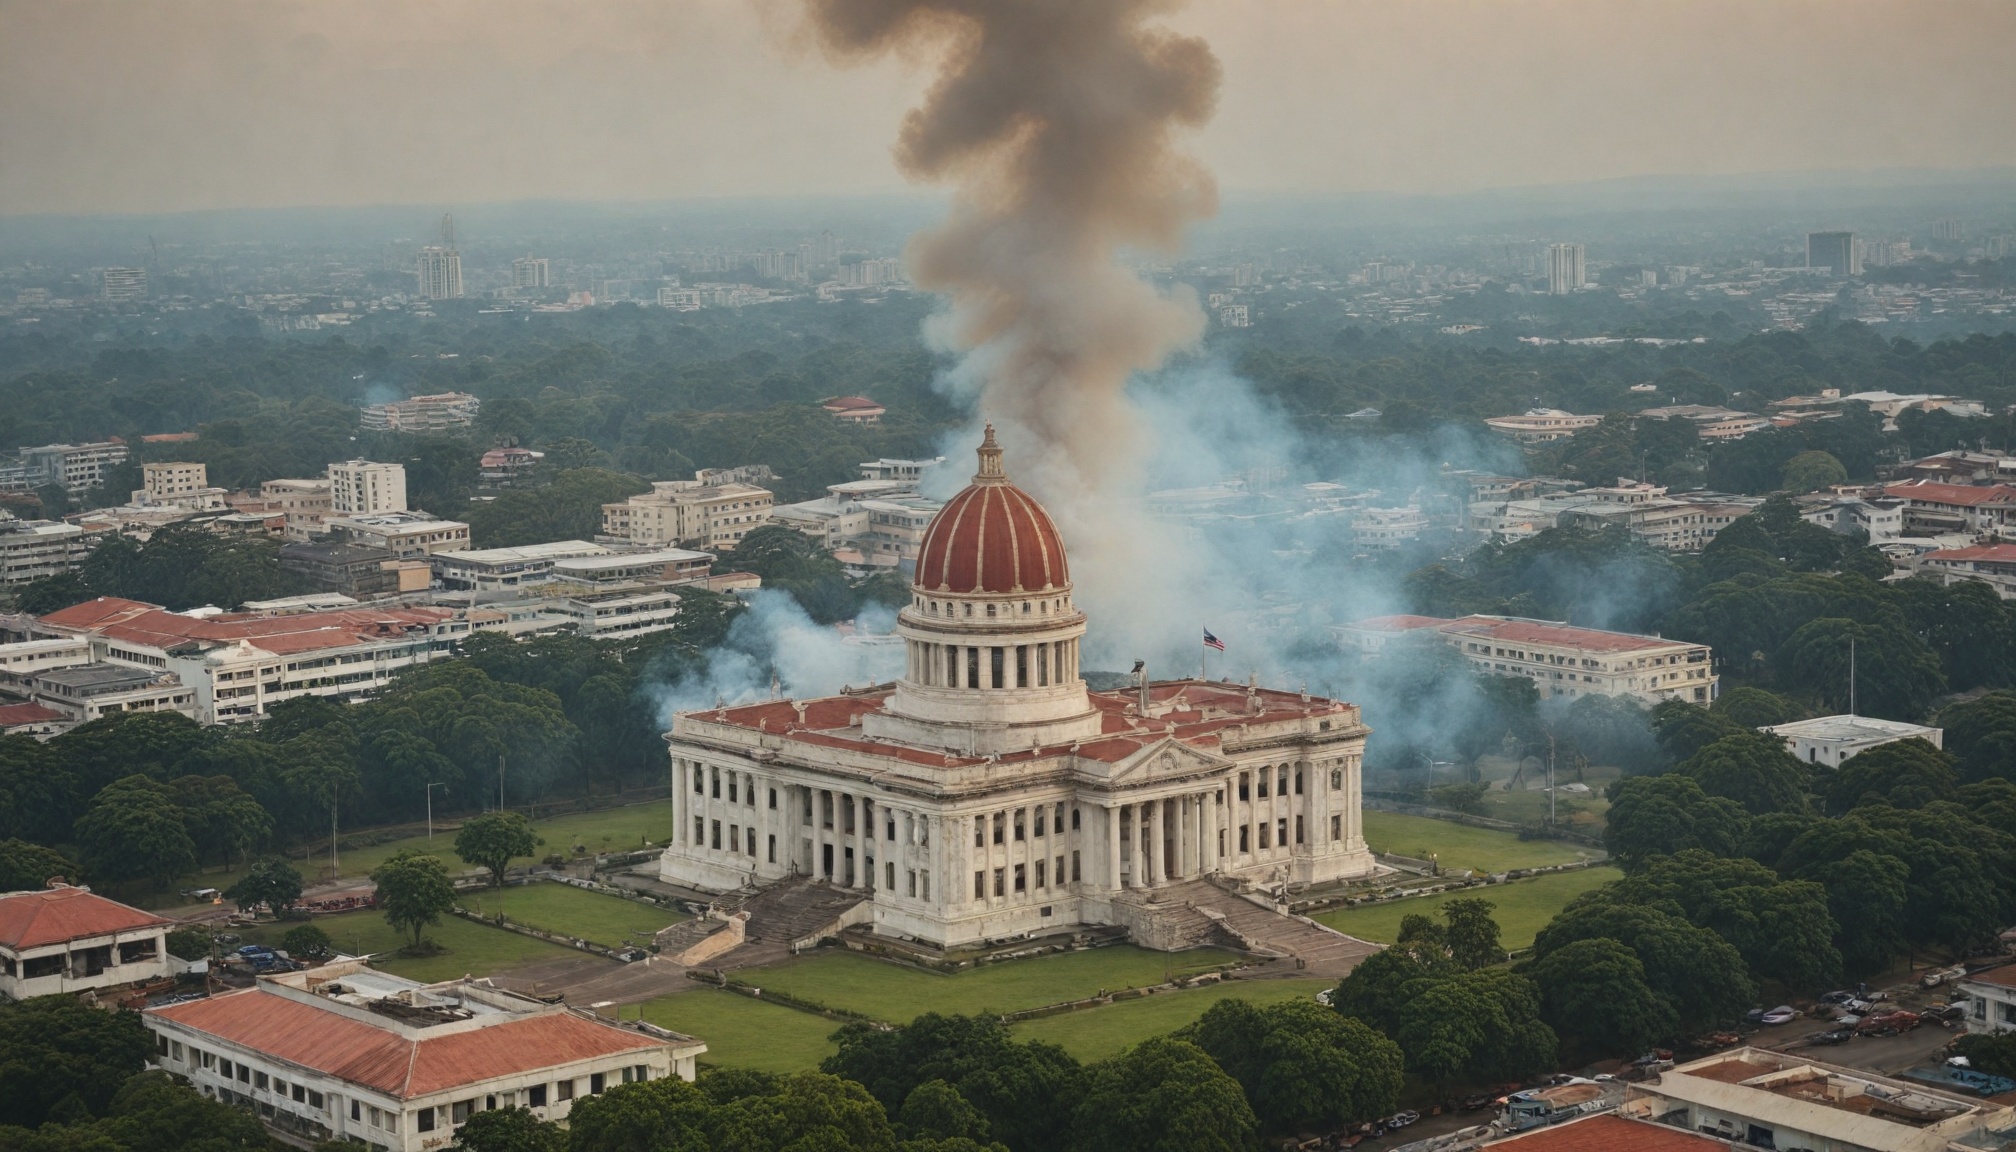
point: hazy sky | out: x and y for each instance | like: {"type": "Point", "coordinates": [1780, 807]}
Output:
{"type": "Point", "coordinates": [163, 105]}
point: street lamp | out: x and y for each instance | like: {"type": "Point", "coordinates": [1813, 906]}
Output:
{"type": "Point", "coordinates": [430, 807]}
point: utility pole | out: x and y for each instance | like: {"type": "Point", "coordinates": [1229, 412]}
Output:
{"type": "Point", "coordinates": [335, 867]}
{"type": "Point", "coordinates": [1550, 778]}
{"type": "Point", "coordinates": [430, 807]}
{"type": "Point", "coordinates": [500, 781]}
{"type": "Point", "coordinates": [1851, 675]}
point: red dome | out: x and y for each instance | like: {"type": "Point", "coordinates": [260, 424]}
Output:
{"type": "Point", "coordinates": [992, 537]}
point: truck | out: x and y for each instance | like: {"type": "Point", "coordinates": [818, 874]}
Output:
{"type": "Point", "coordinates": [1538, 1107]}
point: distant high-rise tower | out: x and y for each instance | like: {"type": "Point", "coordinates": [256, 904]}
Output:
{"type": "Point", "coordinates": [1566, 270]}
{"type": "Point", "coordinates": [125, 283]}
{"type": "Point", "coordinates": [531, 272]}
{"type": "Point", "coordinates": [441, 266]}
{"type": "Point", "coordinates": [1836, 250]}
{"type": "Point", "coordinates": [1948, 230]}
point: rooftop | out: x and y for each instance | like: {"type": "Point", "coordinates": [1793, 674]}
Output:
{"type": "Point", "coordinates": [1965, 495]}
{"type": "Point", "coordinates": [1607, 1132]}
{"type": "Point", "coordinates": [551, 550]}
{"type": "Point", "coordinates": [1998, 553]}
{"type": "Point", "coordinates": [1510, 629]}
{"type": "Point", "coordinates": [617, 560]}
{"type": "Point", "coordinates": [63, 913]}
{"type": "Point", "coordinates": [152, 626]}
{"type": "Point", "coordinates": [95, 679]}
{"type": "Point", "coordinates": [13, 715]}
{"type": "Point", "coordinates": [1849, 728]}
{"type": "Point", "coordinates": [1829, 1102]}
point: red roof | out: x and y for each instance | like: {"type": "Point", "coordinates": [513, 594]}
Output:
{"type": "Point", "coordinates": [1964, 495]}
{"type": "Point", "coordinates": [848, 403]}
{"type": "Point", "coordinates": [1562, 635]}
{"type": "Point", "coordinates": [15, 714]}
{"type": "Point", "coordinates": [1401, 623]}
{"type": "Point", "coordinates": [1605, 1132]}
{"type": "Point", "coordinates": [35, 919]}
{"type": "Point", "coordinates": [2002, 553]}
{"type": "Point", "coordinates": [992, 537]}
{"type": "Point", "coordinates": [151, 625]}
{"type": "Point", "coordinates": [379, 1057]}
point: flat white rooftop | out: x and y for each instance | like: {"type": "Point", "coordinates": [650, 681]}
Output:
{"type": "Point", "coordinates": [1838, 729]}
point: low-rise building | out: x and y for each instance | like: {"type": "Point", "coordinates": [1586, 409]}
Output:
{"type": "Point", "coordinates": [31, 720]}
{"type": "Point", "coordinates": [659, 566]}
{"type": "Point", "coordinates": [1829, 740]}
{"type": "Point", "coordinates": [1677, 524]}
{"type": "Point", "coordinates": [1764, 1099]}
{"type": "Point", "coordinates": [355, 571]}
{"type": "Point", "coordinates": [68, 940]}
{"type": "Point", "coordinates": [1608, 1132]}
{"type": "Point", "coordinates": [1991, 995]}
{"type": "Point", "coordinates": [86, 692]}
{"type": "Point", "coordinates": [618, 613]}
{"type": "Point", "coordinates": [853, 409]}
{"type": "Point", "coordinates": [407, 535]}
{"type": "Point", "coordinates": [347, 1052]}
{"type": "Point", "coordinates": [1931, 508]}
{"type": "Point", "coordinates": [1959, 467]}
{"type": "Point", "coordinates": [504, 467]}
{"type": "Point", "coordinates": [440, 412]}
{"type": "Point", "coordinates": [1541, 425]}
{"type": "Point", "coordinates": [78, 468]}
{"type": "Point", "coordinates": [1990, 564]}
{"type": "Point", "coordinates": [493, 569]}
{"type": "Point", "coordinates": [22, 660]}
{"type": "Point", "coordinates": [1561, 659]}
{"type": "Point", "coordinates": [305, 503]}
{"type": "Point", "coordinates": [166, 480]}
{"type": "Point", "coordinates": [689, 514]}
{"type": "Point", "coordinates": [32, 549]}
{"type": "Point", "coordinates": [1711, 422]}
{"type": "Point", "coordinates": [1382, 528]}
{"type": "Point", "coordinates": [910, 471]}
{"type": "Point", "coordinates": [1880, 519]}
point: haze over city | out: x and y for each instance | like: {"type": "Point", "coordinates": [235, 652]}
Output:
{"type": "Point", "coordinates": [1007, 576]}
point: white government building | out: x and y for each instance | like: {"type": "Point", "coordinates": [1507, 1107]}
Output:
{"type": "Point", "coordinates": [988, 794]}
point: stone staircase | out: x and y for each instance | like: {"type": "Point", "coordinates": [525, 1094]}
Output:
{"type": "Point", "coordinates": [1319, 951]}
{"type": "Point", "coordinates": [781, 914]}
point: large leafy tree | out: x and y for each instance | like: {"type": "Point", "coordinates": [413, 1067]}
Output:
{"type": "Point", "coordinates": [1660, 815]}
{"type": "Point", "coordinates": [1896, 675]}
{"type": "Point", "coordinates": [223, 820]}
{"type": "Point", "coordinates": [1474, 1026]}
{"type": "Point", "coordinates": [59, 1054]}
{"type": "Point", "coordinates": [664, 1115]}
{"type": "Point", "coordinates": [1782, 927]}
{"type": "Point", "coordinates": [25, 866]}
{"type": "Point", "coordinates": [808, 1110]}
{"type": "Point", "coordinates": [1594, 993]}
{"type": "Point", "coordinates": [1303, 1066]}
{"type": "Point", "coordinates": [1701, 977]}
{"type": "Point", "coordinates": [509, 1130]}
{"type": "Point", "coordinates": [1472, 935]}
{"type": "Point", "coordinates": [1903, 774]}
{"type": "Point", "coordinates": [567, 507]}
{"type": "Point", "coordinates": [1981, 736]}
{"type": "Point", "coordinates": [1024, 1090]}
{"type": "Point", "coordinates": [1751, 768]}
{"type": "Point", "coordinates": [494, 839]}
{"type": "Point", "coordinates": [271, 881]}
{"type": "Point", "coordinates": [136, 831]}
{"type": "Point", "coordinates": [413, 891]}
{"type": "Point", "coordinates": [1162, 1095]}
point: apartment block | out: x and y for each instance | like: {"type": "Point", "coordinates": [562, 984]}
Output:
{"type": "Point", "coordinates": [439, 412]}
{"type": "Point", "coordinates": [32, 549]}
{"type": "Point", "coordinates": [689, 513]}
{"type": "Point", "coordinates": [366, 488]}
{"type": "Point", "coordinates": [1561, 659]}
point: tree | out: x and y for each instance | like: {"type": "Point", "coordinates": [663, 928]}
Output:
{"type": "Point", "coordinates": [222, 820]}
{"type": "Point", "coordinates": [1751, 768]}
{"type": "Point", "coordinates": [153, 1112]}
{"type": "Point", "coordinates": [1981, 736]}
{"type": "Point", "coordinates": [1474, 1026]}
{"type": "Point", "coordinates": [1782, 927]}
{"type": "Point", "coordinates": [1660, 815]}
{"type": "Point", "coordinates": [1867, 893]}
{"type": "Point", "coordinates": [1162, 1095]}
{"type": "Point", "coordinates": [568, 507]}
{"type": "Point", "coordinates": [935, 1110]}
{"type": "Point", "coordinates": [1903, 774]}
{"type": "Point", "coordinates": [1460, 797]}
{"type": "Point", "coordinates": [1302, 1066]}
{"type": "Point", "coordinates": [509, 1130]}
{"type": "Point", "coordinates": [1752, 707]}
{"type": "Point", "coordinates": [58, 1053]}
{"type": "Point", "coordinates": [493, 839]}
{"type": "Point", "coordinates": [1700, 976]}
{"type": "Point", "coordinates": [1683, 729]}
{"type": "Point", "coordinates": [414, 890]}
{"type": "Point", "coordinates": [1026, 1091]}
{"type": "Point", "coordinates": [25, 866]}
{"type": "Point", "coordinates": [810, 1110]}
{"type": "Point", "coordinates": [1812, 471]}
{"type": "Point", "coordinates": [665, 1115]}
{"type": "Point", "coordinates": [307, 942]}
{"type": "Point", "coordinates": [1594, 992]}
{"type": "Point", "coordinates": [1472, 933]}
{"type": "Point", "coordinates": [135, 831]}
{"type": "Point", "coordinates": [1896, 675]}
{"type": "Point", "coordinates": [271, 881]}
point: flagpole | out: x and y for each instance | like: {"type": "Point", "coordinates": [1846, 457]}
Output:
{"type": "Point", "coordinates": [1204, 661]}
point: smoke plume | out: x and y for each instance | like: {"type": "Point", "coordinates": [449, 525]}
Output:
{"type": "Point", "coordinates": [1054, 119]}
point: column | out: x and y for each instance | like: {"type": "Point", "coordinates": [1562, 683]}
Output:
{"type": "Point", "coordinates": [868, 840]}
{"type": "Point", "coordinates": [1112, 847]}
{"type": "Point", "coordinates": [1154, 856]}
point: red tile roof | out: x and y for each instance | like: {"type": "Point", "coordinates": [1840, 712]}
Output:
{"type": "Point", "coordinates": [36, 919]}
{"type": "Point", "coordinates": [2002, 553]}
{"type": "Point", "coordinates": [382, 1059]}
{"type": "Point", "coordinates": [1400, 623]}
{"type": "Point", "coordinates": [1607, 1133]}
{"type": "Point", "coordinates": [155, 627]}
{"type": "Point", "coordinates": [2004, 976]}
{"type": "Point", "coordinates": [1964, 495]}
{"type": "Point", "coordinates": [847, 403]}
{"type": "Point", "coordinates": [13, 714]}
{"type": "Point", "coordinates": [1560, 635]}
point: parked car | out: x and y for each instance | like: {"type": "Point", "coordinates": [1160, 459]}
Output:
{"type": "Point", "coordinates": [1833, 1036]}
{"type": "Point", "coordinates": [1476, 1101]}
{"type": "Point", "coordinates": [1840, 997]}
{"type": "Point", "coordinates": [1940, 976]}
{"type": "Point", "coordinates": [1783, 1014]}
{"type": "Point", "coordinates": [1944, 1013]}
{"type": "Point", "coordinates": [1717, 1040]}
{"type": "Point", "coordinates": [1401, 1119]}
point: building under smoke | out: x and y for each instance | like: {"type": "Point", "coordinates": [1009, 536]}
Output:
{"type": "Point", "coordinates": [987, 793]}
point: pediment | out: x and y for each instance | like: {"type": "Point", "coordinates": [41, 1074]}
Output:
{"type": "Point", "coordinates": [1165, 759]}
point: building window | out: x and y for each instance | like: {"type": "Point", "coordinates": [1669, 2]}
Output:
{"type": "Point", "coordinates": [1242, 787]}
{"type": "Point", "coordinates": [699, 829]}
{"type": "Point", "coordinates": [1040, 881]}
{"type": "Point", "coordinates": [1021, 828]}
{"type": "Point", "coordinates": [424, 1121]}
{"type": "Point", "coordinates": [980, 832]}
{"type": "Point", "coordinates": [1282, 790]}
{"type": "Point", "coordinates": [1263, 837]}
{"type": "Point", "coordinates": [595, 1082]}
{"type": "Point", "coordinates": [1000, 821]}
{"type": "Point", "coordinates": [1298, 781]}
{"type": "Point", "coordinates": [717, 835]}
{"type": "Point", "coordinates": [1021, 877]}
{"type": "Point", "coordinates": [749, 841]}
{"type": "Point", "coordinates": [1074, 865]}
{"type": "Point", "coordinates": [731, 788]}
{"type": "Point", "coordinates": [1298, 829]}
{"type": "Point", "coordinates": [1336, 779]}
{"type": "Point", "coordinates": [890, 870]}
{"type": "Point", "coordinates": [773, 849]}
{"type": "Point", "coordinates": [717, 783]}
{"type": "Point", "coordinates": [1040, 812]}
{"type": "Point", "coordinates": [1245, 837]}
{"type": "Point", "coordinates": [734, 838]}
{"type": "Point", "coordinates": [996, 662]}
{"type": "Point", "coordinates": [1336, 827]}
{"type": "Point", "coordinates": [924, 885]}
{"type": "Point", "coordinates": [1262, 792]}
{"type": "Point", "coordinates": [1000, 882]}
{"type": "Point", "coordinates": [1281, 832]}
{"type": "Point", "coordinates": [911, 876]}
{"type": "Point", "coordinates": [980, 885]}
{"type": "Point", "coordinates": [458, 1112]}
{"type": "Point", "coordinates": [773, 798]}
{"type": "Point", "coordinates": [564, 1090]}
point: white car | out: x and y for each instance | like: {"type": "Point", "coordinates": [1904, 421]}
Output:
{"type": "Point", "coordinates": [1783, 1014]}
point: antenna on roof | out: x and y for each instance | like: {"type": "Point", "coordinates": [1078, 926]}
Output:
{"type": "Point", "coordinates": [1851, 675]}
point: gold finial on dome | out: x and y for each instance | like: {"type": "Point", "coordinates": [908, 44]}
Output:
{"type": "Point", "coordinates": [990, 461]}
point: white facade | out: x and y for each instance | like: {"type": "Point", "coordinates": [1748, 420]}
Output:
{"type": "Point", "coordinates": [366, 488]}
{"type": "Point", "coordinates": [987, 794]}
{"type": "Point", "coordinates": [440, 273]}
{"type": "Point", "coordinates": [1830, 740]}
{"type": "Point", "coordinates": [77, 467]}
{"type": "Point", "coordinates": [348, 1052]}
{"type": "Point", "coordinates": [1560, 659]}
{"type": "Point", "coordinates": [492, 569]}
{"type": "Point", "coordinates": [1991, 1000]}
{"type": "Point", "coordinates": [689, 513]}
{"type": "Point", "coordinates": [1567, 270]}
{"type": "Point", "coordinates": [407, 535]}
{"type": "Point", "coordinates": [67, 940]}
{"type": "Point", "coordinates": [32, 549]}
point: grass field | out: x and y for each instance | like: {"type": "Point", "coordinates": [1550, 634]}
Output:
{"type": "Point", "coordinates": [1097, 1033]}
{"type": "Point", "coordinates": [593, 916]}
{"type": "Point", "coordinates": [1523, 906]}
{"type": "Point", "coordinates": [745, 1033]}
{"type": "Point", "coordinates": [608, 830]}
{"type": "Point", "coordinates": [897, 994]}
{"type": "Point", "coordinates": [472, 949]}
{"type": "Point", "coordinates": [1459, 846]}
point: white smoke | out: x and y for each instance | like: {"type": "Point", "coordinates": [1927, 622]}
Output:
{"type": "Point", "coordinates": [774, 637]}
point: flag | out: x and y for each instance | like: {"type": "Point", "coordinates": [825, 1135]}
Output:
{"type": "Point", "coordinates": [1211, 641]}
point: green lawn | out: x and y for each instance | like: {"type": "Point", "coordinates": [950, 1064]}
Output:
{"type": "Point", "coordinates": [562, 908]}
{"type": "Point", "coordinates": [1459, 846]}
{"type": "Point", "coordinates": [472, 949]}
{"type": "Point", "coordinates": [745, 1033]}
{"type": "Point", "coordinates": [896, 994]}
{"type": "Point", "coordinates": [1523, 906]}
{"type": "Point", "coordinates": [609, 830]}
{"type": "Point", "coordinates": [1096, 1033]}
